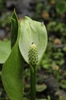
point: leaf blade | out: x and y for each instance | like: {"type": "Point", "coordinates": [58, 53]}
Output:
{"type": "Point", "coordinates": [12, 75]}
{"type": "Point", "coordinates": [4, 50]}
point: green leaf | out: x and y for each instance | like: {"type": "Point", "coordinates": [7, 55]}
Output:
{"type": "Point", "coordinates": [4, 50]}
{"type": "Point", "coordinates": [61, 7]}
{"type": "Point", "coordinates": [32, 31]}
{"type": "Point", "coordinates": [64, 48]}
{"type": "Point", "coordinates": [12, 75]}
{"type": "Point", "coordinates": [40, 88]}
{"type": "Point", "coordinates": [14, 28]}
{"type": "Point", "coordinates": [63, 84]}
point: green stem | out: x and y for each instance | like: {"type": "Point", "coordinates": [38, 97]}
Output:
{"type": "Point", "coordinates": [57, 82]}
{"type": "Point", "coordinates": [33, 83]}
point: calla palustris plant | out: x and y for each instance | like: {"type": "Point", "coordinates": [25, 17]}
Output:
{"type": "Point", "coordinates": [30, 35]}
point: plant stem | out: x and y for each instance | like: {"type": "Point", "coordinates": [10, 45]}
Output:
{"type": "Point", "coordinates": [33, 83]}
{"type": "Point", "coordinates": [57, 82]}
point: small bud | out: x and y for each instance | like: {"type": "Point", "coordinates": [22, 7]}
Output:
{"type": "Point", "coordinates": [33, 55]}
{"type": "Point", "coordinates": [42, 23]}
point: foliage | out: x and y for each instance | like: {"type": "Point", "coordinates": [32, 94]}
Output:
{"type": "Point", "coordinates": [53, 14]}
{"type": "Point", "coordinates": [21, 40]}
{"type": "Point", "coordinates": [5, 50]}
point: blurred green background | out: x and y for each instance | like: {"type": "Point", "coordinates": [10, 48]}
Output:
{"type": "Point", "coordinates": [53, 66]}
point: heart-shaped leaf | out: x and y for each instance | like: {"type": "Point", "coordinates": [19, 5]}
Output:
{"type": "Point", "coordinates": [32, 31]}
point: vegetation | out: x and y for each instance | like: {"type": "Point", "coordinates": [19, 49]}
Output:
{"type": "Point", "coordinates": [53, 14]}
{"type": "Point", "coordinates": [21, 40]}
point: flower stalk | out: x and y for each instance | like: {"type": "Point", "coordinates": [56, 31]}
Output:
{"type": "Point", "coordinates": [33, 83]}
{"type": "Point", "coordinates": [33, 60]}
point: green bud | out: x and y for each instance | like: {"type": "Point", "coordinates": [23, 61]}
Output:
{"type": "Point", "coordinates": [33, 55]}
